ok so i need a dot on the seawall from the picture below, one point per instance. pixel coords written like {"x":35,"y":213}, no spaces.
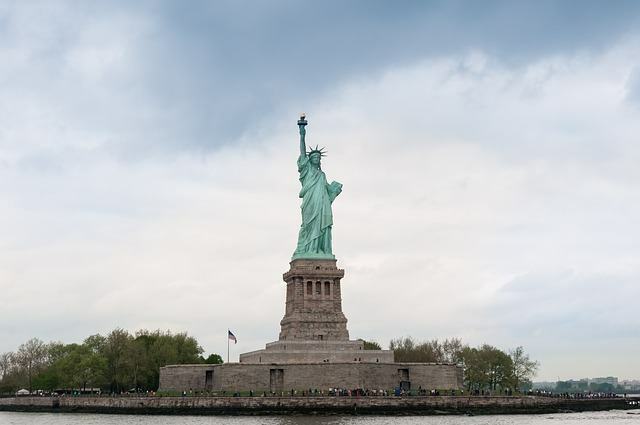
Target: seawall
{"x":414,"y":405}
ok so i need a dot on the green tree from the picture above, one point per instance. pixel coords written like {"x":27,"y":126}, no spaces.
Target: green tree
{"x":117,"y":361}
{"x":370,"y":345}
{"x":486,"y":367}
{"x":47,"y":379}
{"x":94,"y":364}
{"x":408,"y":350}
{"x":524,"y":369}
{"x":70,"y":366}
{"x":159,"y":349}
{"x":500,"y":367}
{"x":403,"y":349}
{"x":81,"y":367}
{"x":138,"y":360}
{"x":213,"y":358}
{"x":115,"y":350}
{"x":50,"y":376}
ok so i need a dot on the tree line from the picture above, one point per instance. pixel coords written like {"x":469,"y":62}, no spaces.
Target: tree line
{"x":120,"y":361}
{"x":116,"y":362}
{"x":485,"y":367}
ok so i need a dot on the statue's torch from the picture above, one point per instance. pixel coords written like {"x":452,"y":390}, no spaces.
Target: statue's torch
{"x":302,"y":121}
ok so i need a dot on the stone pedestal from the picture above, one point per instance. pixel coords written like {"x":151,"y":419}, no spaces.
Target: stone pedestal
{"x":313,"y":309}
{"x":314,"y":328}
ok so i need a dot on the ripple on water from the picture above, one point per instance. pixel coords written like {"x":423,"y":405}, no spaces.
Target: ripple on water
{"x":591,"y":418}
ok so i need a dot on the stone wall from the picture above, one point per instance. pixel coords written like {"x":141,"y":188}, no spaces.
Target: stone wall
{"x":314,"y":328}
{"x":320,"y":405}
{"x":313,"y":307}
{"x":316,"y":352}
{"x":322,"y":376}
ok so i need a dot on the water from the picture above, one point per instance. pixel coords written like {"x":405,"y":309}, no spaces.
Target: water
{"x":628,"y":417}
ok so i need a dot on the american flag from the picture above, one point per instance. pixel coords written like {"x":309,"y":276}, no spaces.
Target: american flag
{"x":232,"y":337}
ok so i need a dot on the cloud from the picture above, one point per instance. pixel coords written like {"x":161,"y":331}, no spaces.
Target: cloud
{"x":470,"y":174}
{"x":148,"y":174}
{"x":158,"y":78}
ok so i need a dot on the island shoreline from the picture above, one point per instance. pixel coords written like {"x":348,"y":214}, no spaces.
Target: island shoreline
{"x":254,"y":406}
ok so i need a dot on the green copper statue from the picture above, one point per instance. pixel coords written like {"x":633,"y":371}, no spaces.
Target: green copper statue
{"x":314,"y":239}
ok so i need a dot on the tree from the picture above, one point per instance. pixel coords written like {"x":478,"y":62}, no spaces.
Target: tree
{"x":116,"y":361}
{"x":49,"y":376}
{"x":500,"y":366}
{"x":524,"y":369}
{"x":171,"y":348}
{"x":407,"y":350}
{"x":212,"y":359}
{"x":486,"y":367}
{"x":5,"y":364}
{"x":79,"y":367}
{"x":31,"y":357}
{"x":138,"y":360}
{"x":403,"y":348}
{"x":115,"y":350}
{"x":73,"y":365}
{"x":156,"y":349}
{"x":94,"y":363}
{"x":452,"y":350}
{"x":474,"y":370}
{"x":370,"y":345}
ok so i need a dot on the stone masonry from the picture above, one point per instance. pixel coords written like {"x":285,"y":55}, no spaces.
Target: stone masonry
{"x":314,"y":328}
{"x":302,"y":376}
{"x":313,"y":308}
{"x":227,"y":405}
{"x":313,"y":349}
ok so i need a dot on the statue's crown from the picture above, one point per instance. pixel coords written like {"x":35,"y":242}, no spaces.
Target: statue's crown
{"x":320,"y":151}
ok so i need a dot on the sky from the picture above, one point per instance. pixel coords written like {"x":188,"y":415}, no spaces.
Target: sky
{"x":488,"y":152}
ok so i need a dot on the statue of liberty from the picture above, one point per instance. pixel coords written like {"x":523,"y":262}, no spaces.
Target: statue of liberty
{"x":314,"y":239}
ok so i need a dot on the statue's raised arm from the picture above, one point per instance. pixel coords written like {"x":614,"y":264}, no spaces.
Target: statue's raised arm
{"x":302,"y":122}
{"x":314,"y":239}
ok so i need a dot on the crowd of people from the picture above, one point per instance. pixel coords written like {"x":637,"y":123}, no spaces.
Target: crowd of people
{"x":355,"y":392}
{"x":577,"y":395}
{"x":400,"y":392}
{"x":332,"y":392}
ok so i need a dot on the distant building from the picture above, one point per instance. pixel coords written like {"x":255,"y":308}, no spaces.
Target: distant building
{"x":579,"y":385}
{"x":611,"y":380}
{"x":630,"y":385}
{"x":609,"y":383}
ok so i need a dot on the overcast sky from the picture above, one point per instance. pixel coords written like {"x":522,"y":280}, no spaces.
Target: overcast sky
{"x":489,"y":153}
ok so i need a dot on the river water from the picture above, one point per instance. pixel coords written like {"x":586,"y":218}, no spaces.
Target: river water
{"x":629,"y":417}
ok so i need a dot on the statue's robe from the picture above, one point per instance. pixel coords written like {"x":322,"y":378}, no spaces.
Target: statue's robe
{"x":314,"y":239}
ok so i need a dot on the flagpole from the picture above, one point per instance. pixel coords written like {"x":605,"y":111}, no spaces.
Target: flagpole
{"x":228,"y":346}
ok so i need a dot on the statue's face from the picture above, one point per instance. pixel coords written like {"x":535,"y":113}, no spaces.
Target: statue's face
{"x":315,"y":159}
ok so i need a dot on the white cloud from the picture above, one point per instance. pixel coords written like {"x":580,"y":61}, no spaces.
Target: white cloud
{"x":485,"y":175}
{"x":481,"y":200}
